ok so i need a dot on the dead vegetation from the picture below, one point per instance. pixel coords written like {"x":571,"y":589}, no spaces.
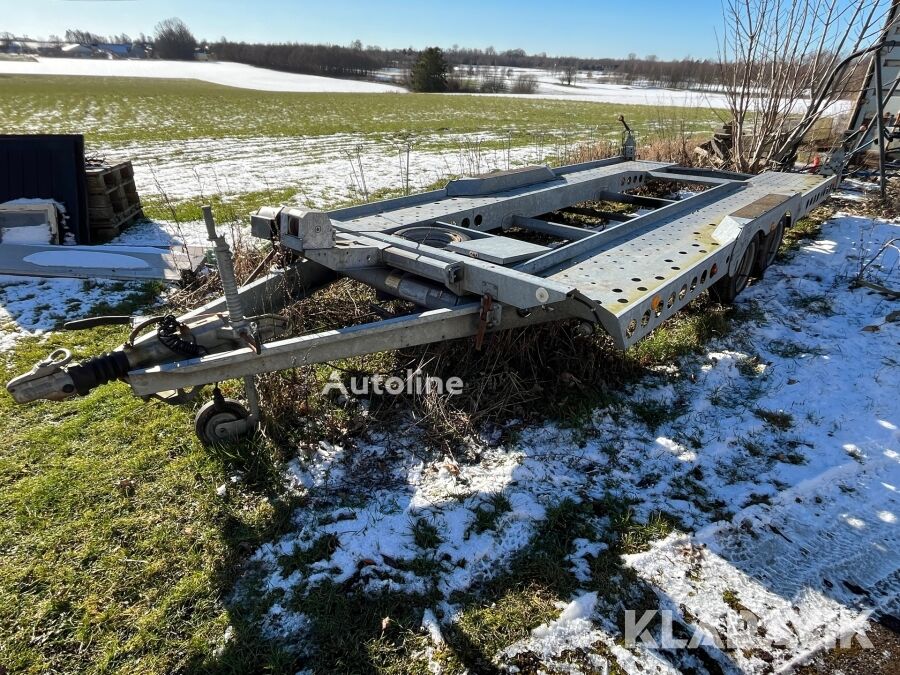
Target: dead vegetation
{"x":518,"y":377}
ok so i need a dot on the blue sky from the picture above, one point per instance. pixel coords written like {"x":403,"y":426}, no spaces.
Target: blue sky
{"x":666,"y":28}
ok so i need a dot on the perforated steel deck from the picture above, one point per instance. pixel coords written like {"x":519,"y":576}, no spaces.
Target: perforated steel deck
{"x":491,"y":211}
{"x":634,"y":266}
{"x":628,"y":277}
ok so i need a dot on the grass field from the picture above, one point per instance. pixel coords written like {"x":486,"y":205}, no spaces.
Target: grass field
{"x":190,"y":139}
{"x":118,"y":555}
{"x":117,"y":110}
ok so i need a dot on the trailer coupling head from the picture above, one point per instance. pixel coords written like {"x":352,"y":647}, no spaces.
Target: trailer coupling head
{"x":54,"y":379}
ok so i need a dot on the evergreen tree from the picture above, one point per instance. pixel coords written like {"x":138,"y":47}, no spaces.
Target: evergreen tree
{"x":429,"y":73}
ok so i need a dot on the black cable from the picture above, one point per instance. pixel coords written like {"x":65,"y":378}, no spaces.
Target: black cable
{"x":169,"y":333}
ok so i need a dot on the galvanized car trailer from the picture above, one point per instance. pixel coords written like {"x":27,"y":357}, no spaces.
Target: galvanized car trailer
{"x":465,"y":257}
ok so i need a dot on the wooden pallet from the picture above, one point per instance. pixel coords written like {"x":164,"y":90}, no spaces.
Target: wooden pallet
{"x":113,"y":201}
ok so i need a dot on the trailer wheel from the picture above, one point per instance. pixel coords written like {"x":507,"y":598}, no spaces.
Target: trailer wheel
{"x":769,"y":249}
{"x":210,"y":418}
{"x":728,"y":288}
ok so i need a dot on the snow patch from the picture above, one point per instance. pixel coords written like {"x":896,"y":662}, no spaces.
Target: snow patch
{"x":221,"y":72}
{"x":26,"y":234}
{"x":64,"y":258}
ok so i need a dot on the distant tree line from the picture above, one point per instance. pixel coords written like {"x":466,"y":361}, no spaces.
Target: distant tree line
{"x":358,"y":61}
{"x":172,"y":39}
{"x":85,"y":37}
{"x":468,"y":69}
{"x":332,"y":60}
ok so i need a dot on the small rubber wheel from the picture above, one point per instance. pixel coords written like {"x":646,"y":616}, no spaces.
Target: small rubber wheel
{"x":768,"y":251}
{"x":728,"y":288}
{"x":212,"y":415}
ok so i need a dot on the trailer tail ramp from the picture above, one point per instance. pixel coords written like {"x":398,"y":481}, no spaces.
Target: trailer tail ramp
{"x":487,"y":253}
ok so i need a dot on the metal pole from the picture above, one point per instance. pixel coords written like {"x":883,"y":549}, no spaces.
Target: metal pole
{"x":879,"y":94}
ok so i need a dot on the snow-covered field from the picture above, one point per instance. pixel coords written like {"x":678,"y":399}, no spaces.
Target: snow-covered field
{"x":323,"y":169}
{"x":224,"y":73}
{"x":779,"y":455}
{"x":600,"y":90}
{"x":590,"y":89}
{"x":262,"y":79}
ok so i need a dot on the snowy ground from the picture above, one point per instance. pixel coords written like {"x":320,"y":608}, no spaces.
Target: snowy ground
{"x":600,"y":89}
{"x":592,"y":89}
{"x":31,"y":306}
{"x":323,"y":169}
{"x":778,"y":452}
{"x":224,"y":73}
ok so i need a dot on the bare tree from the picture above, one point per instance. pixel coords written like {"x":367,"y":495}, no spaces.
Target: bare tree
{"x":568,"y":71}
{"x":779,"y":62}
{"x":174,"y":40}
{"x":84,"y":37}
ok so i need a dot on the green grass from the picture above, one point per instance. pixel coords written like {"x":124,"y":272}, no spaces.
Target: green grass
{"x":117,"y":110}
{"x":656,"y":413}
{"x":239,"y":207}
{"x":804,"y":230}
{"x":488,"y":514}
{"x":357,"y":632}
{"x":683,"y":334}
{"x":302,"y":558}
{"x":730,"y":598}
{"x":425,"y":534}
{"x":116,"y":553}
{"x":118,"y":556}
{"x":506,"y":608}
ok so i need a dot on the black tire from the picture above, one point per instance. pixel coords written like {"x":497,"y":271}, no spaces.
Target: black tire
{"x":213,"y":414}
{"x":728,"y":288}
{"x":768,"y":251}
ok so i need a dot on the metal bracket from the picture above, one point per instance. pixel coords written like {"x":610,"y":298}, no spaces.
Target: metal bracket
{"x":313,"y":228}
{"x":488,"y":318}
{"x":629,"y":145}
{"x":177,"y":396}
